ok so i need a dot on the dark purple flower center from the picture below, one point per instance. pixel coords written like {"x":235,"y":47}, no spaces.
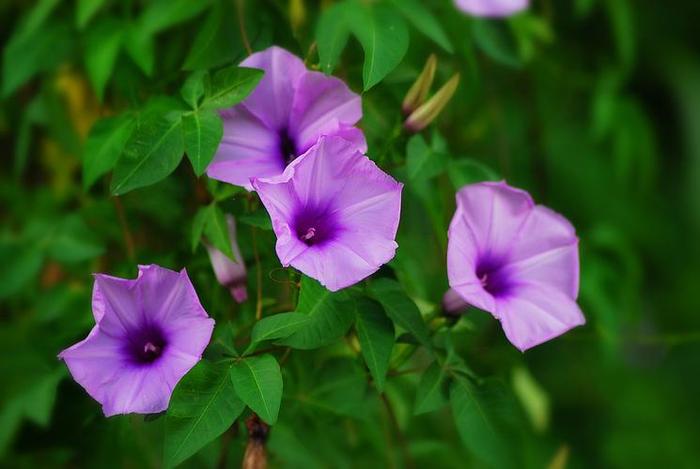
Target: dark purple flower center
{"x":492,"y":276}
{"x":287,"y":147}
{"x":146,"y":345}
{"x":315,"y":227}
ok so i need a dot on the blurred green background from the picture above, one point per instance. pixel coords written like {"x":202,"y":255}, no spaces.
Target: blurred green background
{"x":591,"y":105}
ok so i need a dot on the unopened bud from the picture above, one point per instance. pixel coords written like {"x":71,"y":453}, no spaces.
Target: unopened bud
{"x":426,"y":113}
{"x":255,"y":456}
{"x":420,"y":88}
{"x":297,"y":14}
{"x":453,"y":303}
{"x":230,"y":274}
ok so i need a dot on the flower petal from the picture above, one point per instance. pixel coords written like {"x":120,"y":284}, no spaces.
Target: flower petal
{"x":117,"y":310}
{"x":322,"y":105}
{"x":546,"y":251}
{"x":535,"y":314}
{"x":272,"y":99}
{"x":248,"y":149}
{"x":491,"y":8}
{"x":494,"y":212}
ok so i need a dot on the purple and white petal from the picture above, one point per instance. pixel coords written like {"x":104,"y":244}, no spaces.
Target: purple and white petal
{"x":491,"y":8}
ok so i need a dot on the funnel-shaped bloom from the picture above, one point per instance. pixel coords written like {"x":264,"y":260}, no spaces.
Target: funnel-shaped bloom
{"x":516,"y":260}
{"x":230,"y":274}
{"x":491,"y":8}
{"x":149,"y":332}
{"x":334,"y":212}
{"x":284,"y":116}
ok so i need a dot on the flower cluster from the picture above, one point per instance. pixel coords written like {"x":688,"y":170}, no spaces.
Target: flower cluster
{"x":335,"y":214}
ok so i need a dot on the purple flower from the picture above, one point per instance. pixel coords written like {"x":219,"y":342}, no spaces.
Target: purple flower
{"x":491,"y":8}
{"x":230,"y":274}
{"x":516,"y":260}
{"x":334,"y":212}
{"x":149,"y":332}
{"x":285,"y":115}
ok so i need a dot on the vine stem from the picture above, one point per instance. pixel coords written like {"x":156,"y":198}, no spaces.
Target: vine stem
{"x":240,"y":7}
{"x":408,"y":460}
{"x":128,"y":238}
{"x":258,"y":276}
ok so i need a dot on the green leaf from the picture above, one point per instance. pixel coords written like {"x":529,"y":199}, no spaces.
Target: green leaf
{"x":279,"y":326}
{"x":160,"y":15}
{"x":104,"y":145}
{"x":141,"y":48}
{"x":73,"y":241}
{"x":21,"y":262}
{"x":85,"y":10}
{"x":31,"y":51}
{"x":376,"y":334}
{"x":216,"y":42}
{"x":421,"y":160}
{"x":481,"y":413}
{"x":259,"y":219}
{"x":216,"y":231}
{"x":400,"y":308}
{"x":468,"y":171}
{"x":332,"y":35}
{"x":330,"y":315}
{"x":151,"y":154}
{"x":383,"y":36}
{"x":203,"y":405}
{"x":193,"y":88}
{"x":102,"y":45}
{"x":230,"y":86}
{"x":424,"y":21}
{"x":203,"y":131}
{"x":432,"y":390}
{"x":200,"y":219}
{"x":496,"y":40}
{"x":258,"y":382}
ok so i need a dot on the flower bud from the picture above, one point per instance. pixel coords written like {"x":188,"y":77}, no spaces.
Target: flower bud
{"x":453,"y":303}
{"x":420,"y":88}
{"x":427,"y":112}
{"x":255,"y":456}
{"x":230,"y":274}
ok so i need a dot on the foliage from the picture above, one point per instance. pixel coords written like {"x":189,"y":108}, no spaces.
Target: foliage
{"x":591,"y":105}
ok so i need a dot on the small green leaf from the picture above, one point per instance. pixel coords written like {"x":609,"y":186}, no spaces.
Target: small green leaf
{"x":330,"y":315}
{"x":103,"y":42}
{"x":278,"y":326}
{"x":481,"y":413}
{"x":383,"y":36}
{"x":216,"y":42}
{"x":85,"y":10}
{"x":73,"y":241}
{"x":193,"y":88}
{"x":104,"y":145}
{"x":160,"y":15}
{"x":258,"y":382}
{"x":332,"y":35}
{"x":200,"y":219}
{"x":203,"y":405}
{"x":376,"y":334}
{"x":400,"y":308}
{"x":203,"y":131}
{"x":432,"y":390}
{"x":468,"y":171}
{"x":496,"y":40}
{"x":424,"y":21}
{"x":230,"y":86}
{"x":21,"y":262}
{"x":259,"y":219}
{"x":141,"y":48}
{"x":216,"y":231}
{"x":151,"y":154}
{"x":421,"y":160}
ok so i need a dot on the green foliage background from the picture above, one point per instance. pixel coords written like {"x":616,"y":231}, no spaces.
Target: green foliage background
{"x":591,"y":105}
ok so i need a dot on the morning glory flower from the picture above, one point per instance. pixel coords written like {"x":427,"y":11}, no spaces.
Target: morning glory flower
{"x":149,"y":332}
{"x":491,"y":8}
{"x":284,"y":116}
{"x":335,"y":213}
{"x":516,"y":260}
{"x":230,"y":274}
